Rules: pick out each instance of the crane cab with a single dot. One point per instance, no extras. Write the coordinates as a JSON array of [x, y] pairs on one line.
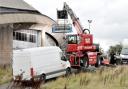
[[77, 42], [72, 43]]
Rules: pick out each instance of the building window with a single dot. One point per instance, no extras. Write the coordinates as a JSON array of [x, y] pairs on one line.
[[72, 39], [24, 37], [19, 36], [32, 38], [14, 35]]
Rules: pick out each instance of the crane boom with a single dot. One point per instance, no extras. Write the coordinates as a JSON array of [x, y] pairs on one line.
[[74, 18], [79, 48]]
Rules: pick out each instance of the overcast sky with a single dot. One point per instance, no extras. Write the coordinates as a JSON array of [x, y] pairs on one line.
[[109, 17]]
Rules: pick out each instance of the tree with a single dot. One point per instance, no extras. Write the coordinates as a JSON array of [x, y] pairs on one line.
[[115, 49]]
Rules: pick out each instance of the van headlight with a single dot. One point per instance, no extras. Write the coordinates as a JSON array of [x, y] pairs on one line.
[[122, 56]]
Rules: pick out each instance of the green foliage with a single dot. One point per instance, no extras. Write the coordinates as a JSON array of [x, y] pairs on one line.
[[115, 49], [5, 75]]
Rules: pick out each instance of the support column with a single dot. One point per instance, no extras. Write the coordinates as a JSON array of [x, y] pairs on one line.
[[6, 44], [43, 38]]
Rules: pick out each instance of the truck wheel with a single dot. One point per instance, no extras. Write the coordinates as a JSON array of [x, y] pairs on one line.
[[68, 72], [98, 63], [43, 78]]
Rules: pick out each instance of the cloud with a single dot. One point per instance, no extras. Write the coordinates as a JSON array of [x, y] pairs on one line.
[[109, 17], [105, 43]]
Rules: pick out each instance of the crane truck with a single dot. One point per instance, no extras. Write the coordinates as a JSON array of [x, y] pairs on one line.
[[80, 50]]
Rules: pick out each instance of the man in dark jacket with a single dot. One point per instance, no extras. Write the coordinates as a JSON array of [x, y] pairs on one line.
[[112, 58]]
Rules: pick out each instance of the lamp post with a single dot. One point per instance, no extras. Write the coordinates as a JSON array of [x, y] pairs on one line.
[[89, 21]]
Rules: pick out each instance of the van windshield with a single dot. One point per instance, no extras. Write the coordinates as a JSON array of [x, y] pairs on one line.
[[124, 51]]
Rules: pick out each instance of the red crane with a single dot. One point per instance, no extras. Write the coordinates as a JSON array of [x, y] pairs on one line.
[[80, 49]]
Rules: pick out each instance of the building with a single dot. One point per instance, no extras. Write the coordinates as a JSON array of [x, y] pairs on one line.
[[27, 26]]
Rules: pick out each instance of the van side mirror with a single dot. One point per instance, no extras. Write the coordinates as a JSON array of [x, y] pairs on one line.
[[63, 58]]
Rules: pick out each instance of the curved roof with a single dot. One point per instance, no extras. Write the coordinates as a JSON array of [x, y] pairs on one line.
[[25, 18], [18, 11], [18, 4]]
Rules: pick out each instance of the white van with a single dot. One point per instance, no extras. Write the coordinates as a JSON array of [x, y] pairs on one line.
[[41, 62]]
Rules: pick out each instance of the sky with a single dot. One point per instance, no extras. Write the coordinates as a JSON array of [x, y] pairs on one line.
[[109, 17]]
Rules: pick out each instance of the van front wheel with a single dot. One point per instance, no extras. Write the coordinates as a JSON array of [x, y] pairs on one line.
[[43, 78], [68, 71]]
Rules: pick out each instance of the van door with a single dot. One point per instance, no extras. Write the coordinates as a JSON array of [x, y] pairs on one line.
[[57, 66], [63, 63]]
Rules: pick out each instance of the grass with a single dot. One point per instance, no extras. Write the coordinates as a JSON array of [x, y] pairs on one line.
[[5, 75], [104, 78]]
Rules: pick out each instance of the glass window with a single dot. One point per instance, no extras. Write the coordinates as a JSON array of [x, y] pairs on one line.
[[72, 39], [62, 14], [32, 38], [18, 36], [24, 37], [14, 35], [64, 58]]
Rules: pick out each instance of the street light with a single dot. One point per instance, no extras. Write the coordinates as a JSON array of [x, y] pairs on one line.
[[89, 21]]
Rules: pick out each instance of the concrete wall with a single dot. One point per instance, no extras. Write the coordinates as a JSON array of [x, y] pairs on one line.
[[6, 42]]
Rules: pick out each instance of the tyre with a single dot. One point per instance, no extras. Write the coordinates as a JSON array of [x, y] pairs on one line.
[[68, 72], [43, 78], [98, 63]]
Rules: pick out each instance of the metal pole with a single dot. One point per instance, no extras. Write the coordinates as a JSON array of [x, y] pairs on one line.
[[89, 21]]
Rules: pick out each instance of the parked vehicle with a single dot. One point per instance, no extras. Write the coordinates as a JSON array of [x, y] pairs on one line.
[[123, 56], [39, 63], [79, 49]]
